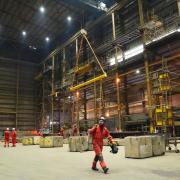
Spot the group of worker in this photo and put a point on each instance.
(98, 133)
(7, 137)
(73, 133)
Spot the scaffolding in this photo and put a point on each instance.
(163, 120)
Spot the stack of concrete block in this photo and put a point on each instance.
(144, 146)
(51, 141)
(78, 143)
(27, 140)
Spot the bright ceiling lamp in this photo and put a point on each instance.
(69, 18)
(24, 33)
(134, 51)
(47, 39)
(42, 9)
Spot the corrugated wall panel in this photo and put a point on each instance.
(17, 95)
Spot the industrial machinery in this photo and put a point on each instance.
(163, 121)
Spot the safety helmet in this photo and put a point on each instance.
(101, 120)
(13, 129)
(7, 129)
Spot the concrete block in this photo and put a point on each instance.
(90, 147)
(158, 145)
(28, 141)
(46, 142)
(57, 141)
(78, 143)
(138, 147)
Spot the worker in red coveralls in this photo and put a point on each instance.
(75, 130)
(99, 132)
(13, 137)
(6, 137)
(61, 133)
(40, 134)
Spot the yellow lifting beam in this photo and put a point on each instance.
(88, 82)
(83, 69)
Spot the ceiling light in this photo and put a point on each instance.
(137, 71)
(107, 114)
(42, 9)
(117, 80)
(24, 33)
(77, 93)
(69, 18)
(102, 6)
(47, 39)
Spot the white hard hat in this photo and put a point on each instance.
(102, 118)
(7, 129)
(13, 129)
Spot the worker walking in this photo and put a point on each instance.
(13, 137)
(99, 132)
(6, 137)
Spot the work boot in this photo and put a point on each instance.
(105, 170)
(95, 169)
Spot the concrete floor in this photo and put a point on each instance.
(34, 163)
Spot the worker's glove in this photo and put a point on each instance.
(114, 148)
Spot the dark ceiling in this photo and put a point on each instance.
(19, 15)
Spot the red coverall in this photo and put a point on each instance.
(61, 133)
(75, 131)
(14, 138)
(6, 138)
(98, 134)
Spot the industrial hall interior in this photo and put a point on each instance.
(90, 89)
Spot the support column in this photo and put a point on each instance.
(52, 96)
(95, 102)
(178, 4)
(85, 78)
(146, 62)
(114, 36)
(118, 103)
(17, 95)
(43, 97)
(126, 96)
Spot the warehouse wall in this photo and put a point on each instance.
(17, 94)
